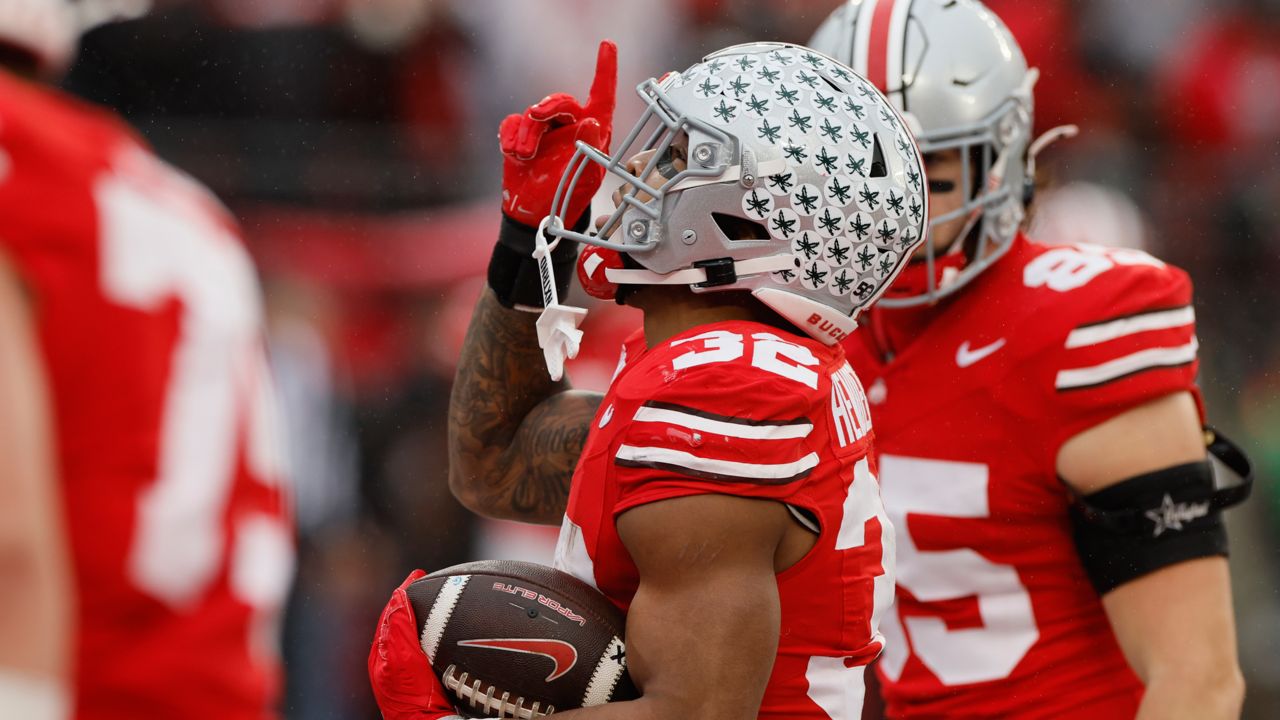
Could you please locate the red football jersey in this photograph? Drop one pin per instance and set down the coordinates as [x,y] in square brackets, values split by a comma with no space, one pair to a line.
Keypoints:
[745,409]
[995,616]
[149,322]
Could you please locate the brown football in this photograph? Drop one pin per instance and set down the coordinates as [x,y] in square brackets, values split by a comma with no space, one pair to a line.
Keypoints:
[520,640]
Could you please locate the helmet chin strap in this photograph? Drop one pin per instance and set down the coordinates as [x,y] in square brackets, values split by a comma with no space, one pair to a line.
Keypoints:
[956,247]
[937,281]
[696,275]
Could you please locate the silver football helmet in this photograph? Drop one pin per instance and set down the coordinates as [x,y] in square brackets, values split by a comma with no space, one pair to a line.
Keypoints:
[957,73]
[802,185]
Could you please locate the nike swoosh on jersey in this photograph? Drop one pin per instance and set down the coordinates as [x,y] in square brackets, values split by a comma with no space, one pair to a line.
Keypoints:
[561,653]
[966,357]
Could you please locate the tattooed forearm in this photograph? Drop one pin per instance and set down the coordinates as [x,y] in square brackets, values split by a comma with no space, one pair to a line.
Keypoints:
[514,434]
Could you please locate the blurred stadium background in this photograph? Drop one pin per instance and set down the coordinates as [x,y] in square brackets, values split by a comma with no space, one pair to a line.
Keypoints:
[356,140]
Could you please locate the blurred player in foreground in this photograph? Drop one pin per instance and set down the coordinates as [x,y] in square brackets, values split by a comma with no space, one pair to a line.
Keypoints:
[1038,427]
[144,548]
[723,493]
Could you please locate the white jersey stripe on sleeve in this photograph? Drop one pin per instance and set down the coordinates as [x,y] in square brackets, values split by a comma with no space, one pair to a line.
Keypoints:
[725,427]
[1120,327]
[696,466]
[1148,359]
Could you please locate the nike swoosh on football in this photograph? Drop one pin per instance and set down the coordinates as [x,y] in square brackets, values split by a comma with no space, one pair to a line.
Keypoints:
[966,357]
[564,655]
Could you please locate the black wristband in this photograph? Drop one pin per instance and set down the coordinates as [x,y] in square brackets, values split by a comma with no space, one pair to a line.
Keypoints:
[513,273]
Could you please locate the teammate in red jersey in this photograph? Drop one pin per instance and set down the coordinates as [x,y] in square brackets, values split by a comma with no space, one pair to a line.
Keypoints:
[722,489]
[1038,425]
[144,527]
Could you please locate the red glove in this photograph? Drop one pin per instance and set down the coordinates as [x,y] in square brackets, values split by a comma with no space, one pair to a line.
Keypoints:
[538,145]
[404,684]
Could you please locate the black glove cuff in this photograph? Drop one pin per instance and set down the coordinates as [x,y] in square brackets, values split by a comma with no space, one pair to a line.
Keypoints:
[513,273]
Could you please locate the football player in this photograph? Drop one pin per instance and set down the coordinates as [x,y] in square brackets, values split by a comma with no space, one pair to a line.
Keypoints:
[722,490]
[1038,427]
[145,543]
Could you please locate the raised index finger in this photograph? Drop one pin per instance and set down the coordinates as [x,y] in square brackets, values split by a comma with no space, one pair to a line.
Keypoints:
[603,95]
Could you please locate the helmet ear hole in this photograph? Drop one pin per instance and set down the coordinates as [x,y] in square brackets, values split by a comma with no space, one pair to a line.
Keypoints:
[739,228]
[879,168]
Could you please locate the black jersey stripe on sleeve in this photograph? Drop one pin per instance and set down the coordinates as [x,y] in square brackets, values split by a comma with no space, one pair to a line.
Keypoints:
[722,418]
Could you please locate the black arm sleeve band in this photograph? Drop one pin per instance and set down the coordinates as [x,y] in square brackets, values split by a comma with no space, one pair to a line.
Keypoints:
[513,273]
[1147,522]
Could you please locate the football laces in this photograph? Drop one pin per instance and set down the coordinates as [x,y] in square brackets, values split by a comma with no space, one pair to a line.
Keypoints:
[480,694]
